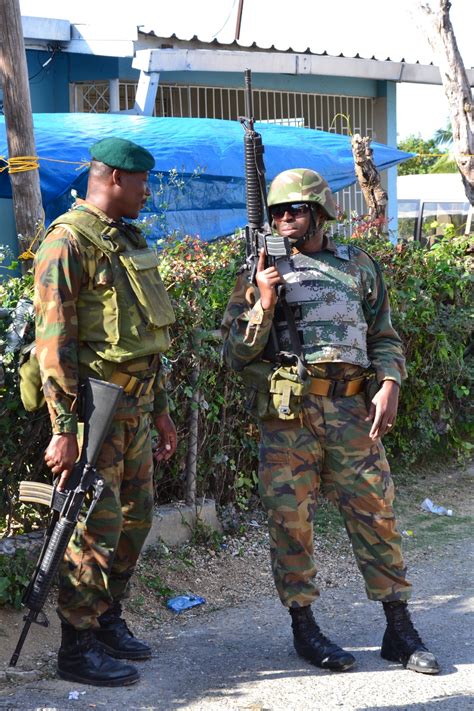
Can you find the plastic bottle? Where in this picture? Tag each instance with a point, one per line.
(428, 505)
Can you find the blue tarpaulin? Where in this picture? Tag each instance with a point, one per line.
(198, 182)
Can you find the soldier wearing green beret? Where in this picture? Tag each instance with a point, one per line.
(323, 371)
(103, 311)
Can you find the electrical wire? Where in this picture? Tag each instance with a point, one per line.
(225, 23)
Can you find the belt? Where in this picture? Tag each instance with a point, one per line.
(131, 385)
(337, 388)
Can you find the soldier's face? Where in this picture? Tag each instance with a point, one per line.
(134, 193)
(291, 222)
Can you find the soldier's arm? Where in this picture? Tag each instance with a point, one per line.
(246, 325)
(58, 275)
(384, 345)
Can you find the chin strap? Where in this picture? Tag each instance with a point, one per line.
(312, 230)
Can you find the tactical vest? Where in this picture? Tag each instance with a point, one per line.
(327, 298)
(124, 311)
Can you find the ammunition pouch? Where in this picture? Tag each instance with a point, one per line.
(31, 389)
(275, 391)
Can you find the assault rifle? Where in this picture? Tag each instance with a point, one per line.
(99, 403)
(258, 232)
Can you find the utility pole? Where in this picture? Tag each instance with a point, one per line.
(27, 204)
(239, 19)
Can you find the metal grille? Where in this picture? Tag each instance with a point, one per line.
(91, 97)
(335, 113)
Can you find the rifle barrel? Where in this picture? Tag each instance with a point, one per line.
(21, 641)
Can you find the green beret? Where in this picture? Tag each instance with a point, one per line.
(123, 154)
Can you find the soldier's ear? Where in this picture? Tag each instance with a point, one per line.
(117, 177)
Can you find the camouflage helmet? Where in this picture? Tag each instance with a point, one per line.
(302, 185)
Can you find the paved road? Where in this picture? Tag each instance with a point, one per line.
(242, 658)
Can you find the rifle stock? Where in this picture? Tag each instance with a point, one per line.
(99, 404)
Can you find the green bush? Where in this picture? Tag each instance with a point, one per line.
(23, 436)
(431, 295)
(15, 573)
(199, 277)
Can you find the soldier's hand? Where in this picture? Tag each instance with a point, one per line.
(168, 438)
(383, 409)
(267, 279)
(60, 456)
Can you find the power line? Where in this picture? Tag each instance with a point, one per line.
(225, 23)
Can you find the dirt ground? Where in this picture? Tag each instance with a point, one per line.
(233, 569)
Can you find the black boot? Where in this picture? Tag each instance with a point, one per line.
(402, 643)
(312, 645)
(82, 659)
(117, 639)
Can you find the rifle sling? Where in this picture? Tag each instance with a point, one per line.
(292, 329)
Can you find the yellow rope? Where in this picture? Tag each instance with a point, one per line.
(348, 121)
(20, 164)
(28, 253)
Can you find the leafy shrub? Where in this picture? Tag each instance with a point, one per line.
(431, 300)
(199, 277)
(15, 573)
(23, 436)
(431, 296)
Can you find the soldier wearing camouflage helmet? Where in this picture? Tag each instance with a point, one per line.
(321, 425)
(102, 311)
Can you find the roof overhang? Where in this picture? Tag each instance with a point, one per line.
(222, 60)
(45, 29)
(105, 41)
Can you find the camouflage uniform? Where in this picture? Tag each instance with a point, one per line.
(342, 314)
(74, 284)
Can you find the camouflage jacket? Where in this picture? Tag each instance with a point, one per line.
(246, 325)
(62, 273)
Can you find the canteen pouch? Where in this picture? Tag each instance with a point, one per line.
(274, 392)
(287, 390)
(31, 389)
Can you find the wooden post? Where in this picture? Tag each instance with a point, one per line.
(239, 19)
(27, 204)
(193, 423)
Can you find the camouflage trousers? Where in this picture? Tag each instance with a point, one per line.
(329, 449)
(101, 556)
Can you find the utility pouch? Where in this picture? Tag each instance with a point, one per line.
(256, 377)
(31, 389)
(141, 266)
(274, 391)
(287, 390)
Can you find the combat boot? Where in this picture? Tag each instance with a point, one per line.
(402, 643)
(82, 659)
(312, 645)
(117, 639)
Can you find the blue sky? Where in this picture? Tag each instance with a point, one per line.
(389, 30)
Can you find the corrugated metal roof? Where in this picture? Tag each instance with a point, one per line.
(174, 41)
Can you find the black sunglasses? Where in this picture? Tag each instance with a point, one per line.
(296, 209)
